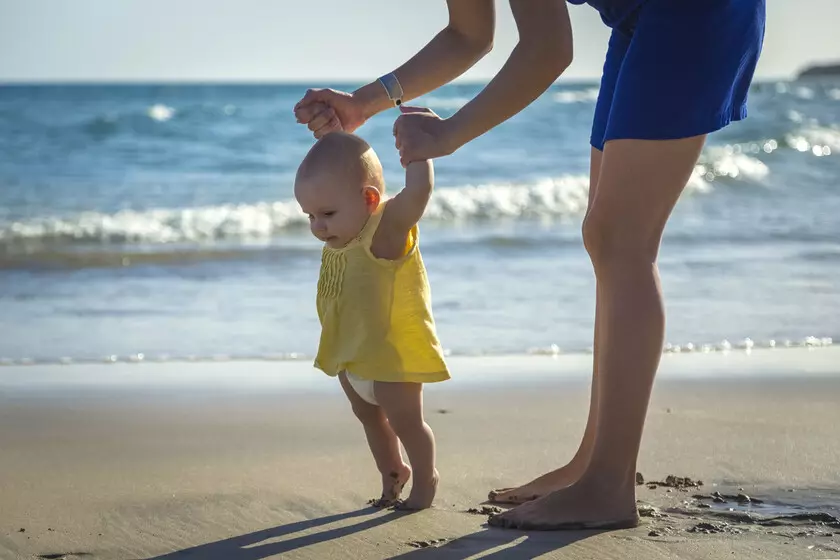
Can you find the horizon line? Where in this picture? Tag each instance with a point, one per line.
(317, 82)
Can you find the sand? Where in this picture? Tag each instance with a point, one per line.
(245, 461)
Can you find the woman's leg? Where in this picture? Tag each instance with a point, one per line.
(569, 473)
(640, 182)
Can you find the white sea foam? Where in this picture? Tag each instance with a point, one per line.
(160, 112)
(731, 162)
(819, 140)
(549, 198)
(580, 96)
(542, 199)
(161, 225)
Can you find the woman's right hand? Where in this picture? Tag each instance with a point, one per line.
(328, 110)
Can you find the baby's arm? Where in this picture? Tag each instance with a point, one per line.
(404, 211)
(406, 208)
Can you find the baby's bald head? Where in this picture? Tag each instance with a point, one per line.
(339, 184)
(344, 158)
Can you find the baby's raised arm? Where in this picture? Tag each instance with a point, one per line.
(407, 207)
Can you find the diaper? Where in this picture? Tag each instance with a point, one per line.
(363, 388)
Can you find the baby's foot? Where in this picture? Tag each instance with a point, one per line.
(392, 485)
(422, 494)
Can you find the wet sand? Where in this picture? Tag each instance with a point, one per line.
(245, 461)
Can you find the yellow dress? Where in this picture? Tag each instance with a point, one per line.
(376, 314)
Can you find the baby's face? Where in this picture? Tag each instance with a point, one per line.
(337, 212)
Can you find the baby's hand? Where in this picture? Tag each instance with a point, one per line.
(420, 134)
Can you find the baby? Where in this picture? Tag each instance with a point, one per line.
(374, 305)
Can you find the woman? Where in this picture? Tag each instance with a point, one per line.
(675, 71)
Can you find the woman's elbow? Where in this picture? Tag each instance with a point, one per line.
(549, 57)
(477, 44)
(564, 60)
(484, 47)
(559, 55)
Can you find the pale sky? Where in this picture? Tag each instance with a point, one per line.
(289, 40)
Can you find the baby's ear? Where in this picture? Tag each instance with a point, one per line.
(372, 197)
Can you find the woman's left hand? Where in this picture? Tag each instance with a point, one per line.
(421, 134)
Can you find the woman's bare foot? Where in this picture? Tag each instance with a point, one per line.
(581, 506)
(392, 485)
(422, 494)
(540, 486)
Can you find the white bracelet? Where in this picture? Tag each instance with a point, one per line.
(392, 87)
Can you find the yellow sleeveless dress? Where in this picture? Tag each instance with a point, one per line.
(376, 314)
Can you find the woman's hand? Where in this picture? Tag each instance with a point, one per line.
(329, 110)
(420, 134)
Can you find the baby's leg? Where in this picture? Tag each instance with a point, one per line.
(383, 444)
(403, 405)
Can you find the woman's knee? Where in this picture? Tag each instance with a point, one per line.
(638, 185)
(611, 235)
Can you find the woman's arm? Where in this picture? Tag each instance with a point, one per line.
(543, 52)
(463, 42)
(453, 51)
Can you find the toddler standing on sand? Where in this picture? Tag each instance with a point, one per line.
(374, 305)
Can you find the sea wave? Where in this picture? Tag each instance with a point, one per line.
(160, 112)
(547, 198)
(728, 162)
(550, 198)
(159, 226)
(819, 248)
(819, 140)
(149, 120)
(589, 95)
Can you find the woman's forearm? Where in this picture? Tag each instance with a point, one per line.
(535, 63)
(448, 55)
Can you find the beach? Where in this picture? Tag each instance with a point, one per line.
(248, 460)
(159, 278)
(158, 326)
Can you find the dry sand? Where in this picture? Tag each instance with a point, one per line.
(245, 461)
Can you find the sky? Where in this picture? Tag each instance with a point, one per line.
(328, 40)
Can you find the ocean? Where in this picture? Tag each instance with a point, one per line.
(157, 222)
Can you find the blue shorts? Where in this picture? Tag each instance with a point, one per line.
(678, 68)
